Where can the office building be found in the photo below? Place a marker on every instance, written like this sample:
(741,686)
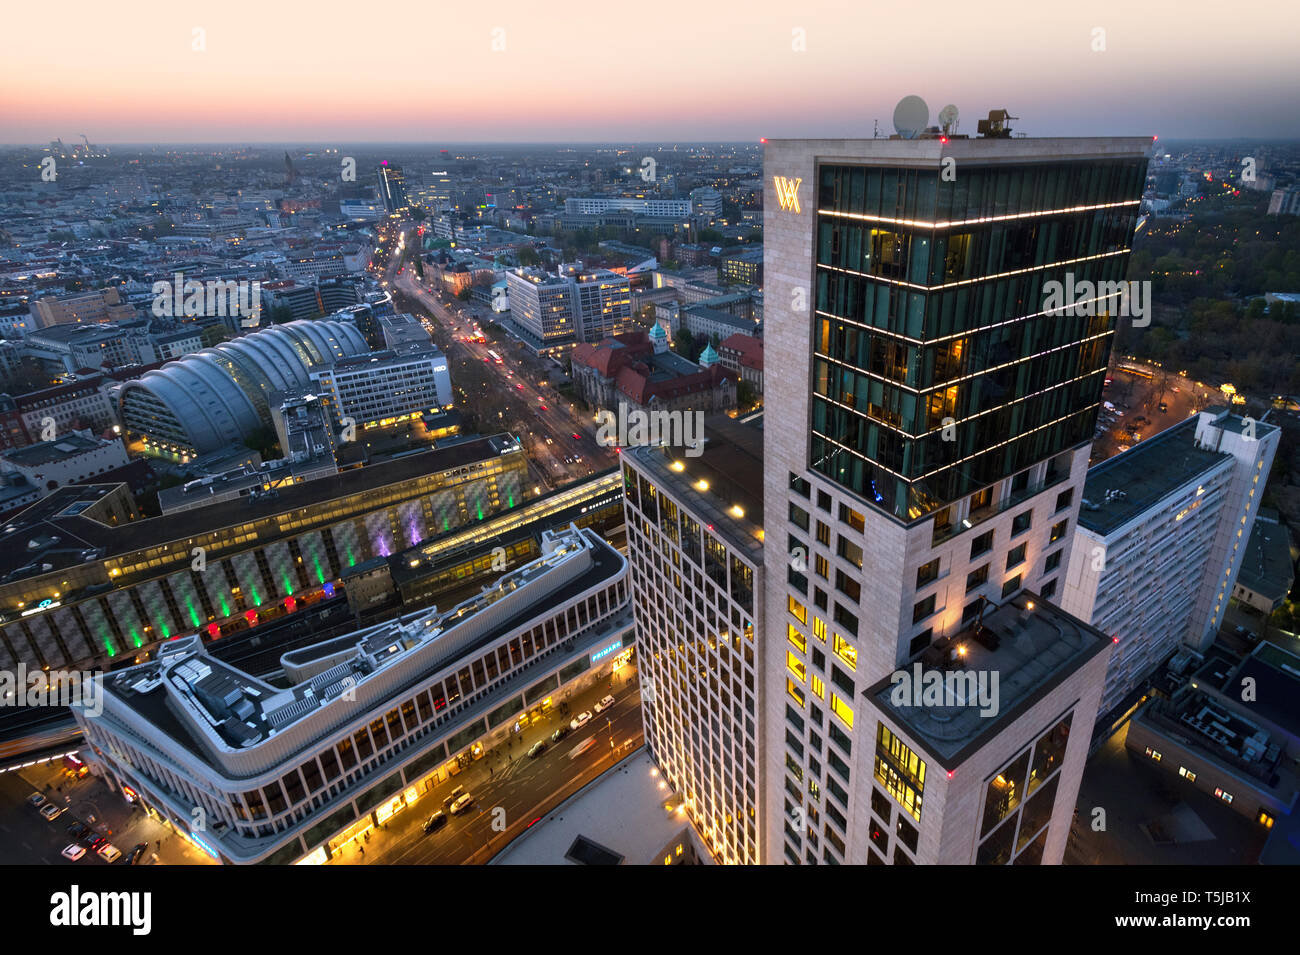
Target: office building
(552,312)
(384,388)
(695,547)
(663,208)
(220,396)
(925,446)
(72,458)
(83,308)
(392,187)
(1161,536)
(85,581)
(368,723)
(706,201)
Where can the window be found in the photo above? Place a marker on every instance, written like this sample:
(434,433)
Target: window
(881,806)
(845,651)
(849,551)
(797,638)
(844,711)
(1048,589)
(798,609)
(851,517)
(927,572)
(846,619)
(1153,754)
(796,666)
(1187,774)
(923,609)
(799,485)
(823,534)
(818,687)
(821,567)
(847,586)
(1058,531)
(1053,561)
(900,771)
(1011,586)
(1064,499)
(798,516)
(1021,522)
(819,598)
(920,642)
(793,689)
(824,501)
(1265,819)
(977,578)
(981,545)
(1223,794)
(972,610)
(1016,555)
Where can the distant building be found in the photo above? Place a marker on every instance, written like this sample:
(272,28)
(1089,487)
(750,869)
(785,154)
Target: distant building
(84,403)
(69,459)
(1267,571)
(743,354)
(553,312)
(102,305)
(706,201)
(384,388)
(667,208)
(1161,537)
(1285,202)
(629,369)
(392,187)
(742,268)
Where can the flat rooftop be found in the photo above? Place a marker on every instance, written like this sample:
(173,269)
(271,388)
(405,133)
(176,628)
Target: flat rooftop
(1145,473)
(48,452)
(1266,567)
(728,475)
(1030,644)
(620,819)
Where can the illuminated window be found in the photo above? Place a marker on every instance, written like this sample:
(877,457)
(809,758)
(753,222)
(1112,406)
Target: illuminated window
(819,629)
(1153,754)
(818,687)
(842,710)
(796,666)
(793,689)
(797,638)
(1265,819)
(846,652)
(1187,773)
(1223,794)
(900,771)
(798,609)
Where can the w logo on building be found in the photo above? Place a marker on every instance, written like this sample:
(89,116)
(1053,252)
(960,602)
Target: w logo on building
(787,193)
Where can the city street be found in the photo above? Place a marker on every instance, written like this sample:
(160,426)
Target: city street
(506,778)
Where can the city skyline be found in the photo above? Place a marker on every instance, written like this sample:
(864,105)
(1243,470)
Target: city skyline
(493,77)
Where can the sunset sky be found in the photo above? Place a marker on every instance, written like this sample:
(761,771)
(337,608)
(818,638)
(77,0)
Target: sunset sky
(579,70)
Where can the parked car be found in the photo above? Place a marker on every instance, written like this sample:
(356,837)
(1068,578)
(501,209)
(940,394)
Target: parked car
(462,804)
(435,822)
(1163,407)
(580,719)
(77,829)
(109,852)
(36,799)
(536,749)
(559,734)
(604,704)
(73,852)
(52,812)
(453,796)
(137,853)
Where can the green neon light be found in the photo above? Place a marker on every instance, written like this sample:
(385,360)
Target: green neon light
(320,573)
(225,608)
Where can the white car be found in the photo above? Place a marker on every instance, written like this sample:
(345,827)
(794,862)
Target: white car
(580,720)
(52,812)
(73,852)
(109,852)
(604,704)
(461,804)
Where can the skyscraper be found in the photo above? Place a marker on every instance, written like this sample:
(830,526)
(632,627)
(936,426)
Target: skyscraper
(392,186)
(924,449)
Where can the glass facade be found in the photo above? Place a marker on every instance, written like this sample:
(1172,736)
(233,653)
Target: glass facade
(936,370)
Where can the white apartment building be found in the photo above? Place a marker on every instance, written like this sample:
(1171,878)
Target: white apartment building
(383,388)
(1161,536)
(371,721)
(554,312)
(68,459)
(666,208)
(695,551)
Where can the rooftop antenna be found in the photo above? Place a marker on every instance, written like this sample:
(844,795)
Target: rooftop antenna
(948,119)
(911,117)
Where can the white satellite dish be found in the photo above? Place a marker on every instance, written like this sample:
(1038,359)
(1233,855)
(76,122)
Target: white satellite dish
(911,117)
(948,118)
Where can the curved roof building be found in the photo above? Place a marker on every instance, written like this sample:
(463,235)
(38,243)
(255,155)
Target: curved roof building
(219,396)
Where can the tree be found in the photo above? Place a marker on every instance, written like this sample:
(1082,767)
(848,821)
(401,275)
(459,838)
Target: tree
(684,343)
(280,314)
(213,334)
(527,256)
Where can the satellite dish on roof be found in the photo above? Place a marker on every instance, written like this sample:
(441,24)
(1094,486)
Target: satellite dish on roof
(948,118)
(911,116)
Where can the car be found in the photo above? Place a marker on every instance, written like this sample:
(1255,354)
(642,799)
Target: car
(576,436)
(73,852)
(435,822)
(92,839)
(582,747)
(536,749)
(580,719)
(77,830)
(109,852)
(137,853)
(462,804)
(559,734)
(1164,407)
(520,387)
(604,704)
(52,812)
(36,799)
